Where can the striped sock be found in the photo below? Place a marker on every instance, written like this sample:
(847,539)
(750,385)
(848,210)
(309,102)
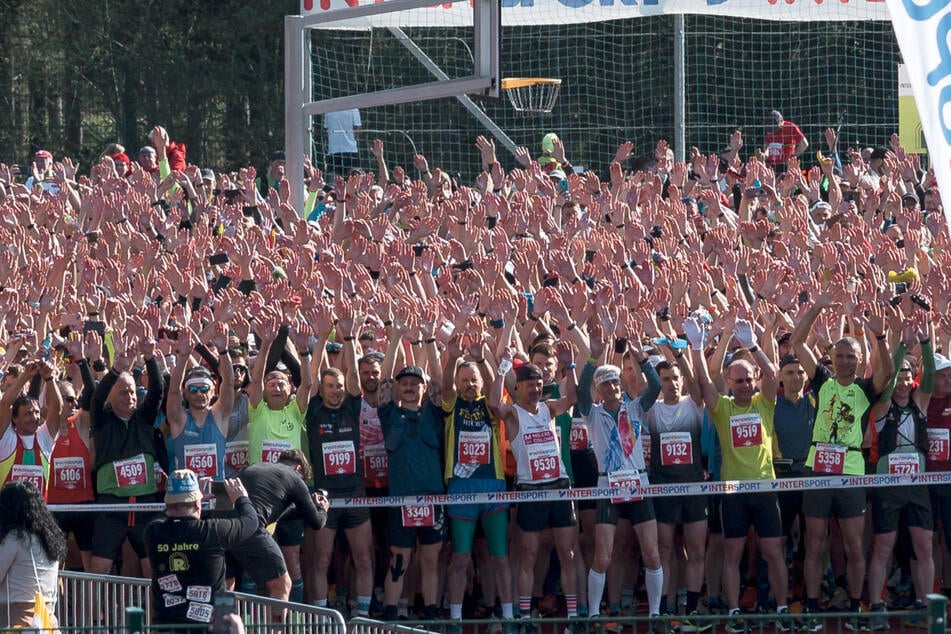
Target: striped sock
(571,604)
(525,607)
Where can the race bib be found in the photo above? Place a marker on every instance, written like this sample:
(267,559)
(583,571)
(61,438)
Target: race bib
(578,437)
(416,515)
(236,454)
(199,612)
(903,464)
(271,450)
(774,150)
(131,471)
(676,448)
(202,594)
(69,474)
(938,445)
(340,457)
(474,447)
(746,430)
(169,583)
(542,453)
(202,459)
(829,458)
(29,473)
(375,465)
(627,479)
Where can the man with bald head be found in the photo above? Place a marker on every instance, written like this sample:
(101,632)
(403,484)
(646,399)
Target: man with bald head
(744,424)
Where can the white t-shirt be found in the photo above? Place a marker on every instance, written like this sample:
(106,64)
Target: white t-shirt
(17,580)
(8,442)
(339,126)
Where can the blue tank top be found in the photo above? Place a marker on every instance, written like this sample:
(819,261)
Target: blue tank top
(201,449)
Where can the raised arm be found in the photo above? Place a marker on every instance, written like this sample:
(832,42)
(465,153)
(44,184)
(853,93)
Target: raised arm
(6,403)
(877,325)
(53,400)
(267,326)
(174,410)
(798,338)
(696,336)
(769,382)
(566,359)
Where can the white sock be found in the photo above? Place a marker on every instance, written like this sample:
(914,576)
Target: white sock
(455,611)
(595,590)
(654,580)
(507,610)
(320,603)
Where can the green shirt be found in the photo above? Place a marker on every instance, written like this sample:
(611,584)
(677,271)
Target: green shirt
(271,431)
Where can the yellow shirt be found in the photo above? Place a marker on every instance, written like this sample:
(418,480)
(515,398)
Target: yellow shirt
(747,438)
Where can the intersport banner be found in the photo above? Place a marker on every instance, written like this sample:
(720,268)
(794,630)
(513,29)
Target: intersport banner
(539,12)
(922,33)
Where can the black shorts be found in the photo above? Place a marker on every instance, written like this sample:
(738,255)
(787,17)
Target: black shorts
(78,523)
(941,508)
(681,509)
(634,512)
(111,529)
(259,556)
(739,511)
(347,517)
(790,506)
(839,503)
(584,467)
(911,505)
(407,536)
(289,532)
(534,517)
(714,525)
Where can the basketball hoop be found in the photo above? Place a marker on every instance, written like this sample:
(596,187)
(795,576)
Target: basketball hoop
(534,95)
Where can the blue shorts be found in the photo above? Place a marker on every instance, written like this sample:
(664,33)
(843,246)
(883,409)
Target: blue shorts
(472,512)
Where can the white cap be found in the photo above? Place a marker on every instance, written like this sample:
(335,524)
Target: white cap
(941,362)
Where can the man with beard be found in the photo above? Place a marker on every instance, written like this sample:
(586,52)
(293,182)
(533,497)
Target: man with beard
(473,465)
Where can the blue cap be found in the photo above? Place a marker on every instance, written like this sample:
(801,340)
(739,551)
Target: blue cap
(182,487)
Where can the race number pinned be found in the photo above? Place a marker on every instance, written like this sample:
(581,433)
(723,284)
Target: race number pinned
(474,447)
(131,471)
(340,457)
(29,473)
(829,458)
(676,448)
(236,454)
(578,437)
(202,459)
(69,473)
(939,447)
(543,459)
(626,480)
(746,430)
(271,450)
(417,515)
(903,464)
(375,464)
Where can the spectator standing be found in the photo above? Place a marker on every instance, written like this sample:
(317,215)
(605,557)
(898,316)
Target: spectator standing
(784,140)
(343,136)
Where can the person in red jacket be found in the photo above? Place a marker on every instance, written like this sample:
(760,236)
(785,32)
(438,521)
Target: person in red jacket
(784,140)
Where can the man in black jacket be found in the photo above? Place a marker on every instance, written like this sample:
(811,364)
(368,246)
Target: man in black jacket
(130,455)
(187,552)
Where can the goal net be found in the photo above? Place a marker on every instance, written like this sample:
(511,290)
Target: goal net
(821,65)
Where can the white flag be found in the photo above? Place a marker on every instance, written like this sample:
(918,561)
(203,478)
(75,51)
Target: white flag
(922,32)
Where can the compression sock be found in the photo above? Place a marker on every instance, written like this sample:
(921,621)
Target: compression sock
(297,591)
(595,590)
(389,613)
(363,605)
(654,580)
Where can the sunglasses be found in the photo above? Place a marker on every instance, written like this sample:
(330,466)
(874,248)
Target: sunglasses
(195,389)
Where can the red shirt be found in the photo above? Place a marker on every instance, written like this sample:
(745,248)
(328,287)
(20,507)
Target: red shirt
(939,434)
(70,475)
(782,142)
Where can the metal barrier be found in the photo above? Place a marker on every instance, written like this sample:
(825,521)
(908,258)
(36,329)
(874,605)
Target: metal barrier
(89,600)
(256,612)
(102,601)
(360,625)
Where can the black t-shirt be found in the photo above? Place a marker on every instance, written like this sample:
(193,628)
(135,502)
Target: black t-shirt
(188,562)
(342,425)
(274,488)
